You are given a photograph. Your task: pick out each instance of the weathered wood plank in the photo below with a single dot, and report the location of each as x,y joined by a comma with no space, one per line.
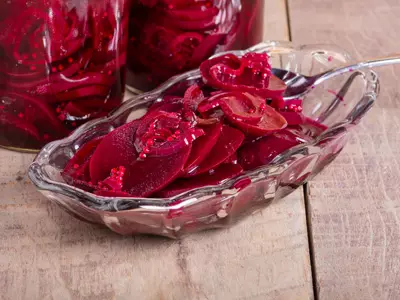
275,21
47,254
355,202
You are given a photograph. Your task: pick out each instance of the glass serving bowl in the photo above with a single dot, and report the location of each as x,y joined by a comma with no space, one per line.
338,103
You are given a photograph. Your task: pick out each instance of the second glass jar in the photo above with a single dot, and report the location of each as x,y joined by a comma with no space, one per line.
168,37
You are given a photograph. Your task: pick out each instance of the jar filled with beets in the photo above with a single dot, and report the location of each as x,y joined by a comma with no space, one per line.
62,63
168,37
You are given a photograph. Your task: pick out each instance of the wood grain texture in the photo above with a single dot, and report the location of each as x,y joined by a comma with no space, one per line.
355,203
275,20
47,254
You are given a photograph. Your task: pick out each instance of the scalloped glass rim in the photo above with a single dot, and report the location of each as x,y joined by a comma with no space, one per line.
43,182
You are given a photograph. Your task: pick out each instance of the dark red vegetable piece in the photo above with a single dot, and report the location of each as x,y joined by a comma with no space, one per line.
202,146
14,130
74,166
293,118
246,112
264,150
250,73
192,97
163,133
116,149
145,177
228,142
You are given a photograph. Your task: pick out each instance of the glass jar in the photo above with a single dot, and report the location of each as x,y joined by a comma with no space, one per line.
168,37
62,63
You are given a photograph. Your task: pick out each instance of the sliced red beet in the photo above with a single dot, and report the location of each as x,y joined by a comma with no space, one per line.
251,73
219,175
33,110
116,149
271,122
183,47
195,16
242,107
247,112
192,10
77,163
233,159
192,97
263,151
202,146
293,118
207,47
76,172
145,177
15,131
228,142
163,133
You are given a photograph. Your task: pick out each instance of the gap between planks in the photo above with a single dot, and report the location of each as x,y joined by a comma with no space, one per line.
305,187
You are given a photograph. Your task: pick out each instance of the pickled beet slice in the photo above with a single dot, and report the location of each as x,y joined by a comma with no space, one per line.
271,122
116,149
293,118
264,150
194,11
217,176
145,177
39,112
228,142
250,73
76,172
76,166
242,107
202,146
192,97
183,47
82,92
247,112
207,47
15,131
163,133
192,16
233,159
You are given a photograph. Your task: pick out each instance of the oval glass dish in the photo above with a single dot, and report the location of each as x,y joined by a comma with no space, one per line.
338,103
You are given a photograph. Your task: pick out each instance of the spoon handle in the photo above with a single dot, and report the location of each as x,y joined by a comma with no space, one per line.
381,61
375,62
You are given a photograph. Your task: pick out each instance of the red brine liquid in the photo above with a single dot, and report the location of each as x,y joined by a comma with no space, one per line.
168,37
62,63
232,120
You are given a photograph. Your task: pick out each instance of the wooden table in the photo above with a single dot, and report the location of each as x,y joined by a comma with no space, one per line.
348,217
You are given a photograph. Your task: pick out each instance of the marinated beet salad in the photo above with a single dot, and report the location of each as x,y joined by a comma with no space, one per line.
231,121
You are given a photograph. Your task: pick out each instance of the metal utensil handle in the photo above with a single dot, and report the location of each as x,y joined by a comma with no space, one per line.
375,62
